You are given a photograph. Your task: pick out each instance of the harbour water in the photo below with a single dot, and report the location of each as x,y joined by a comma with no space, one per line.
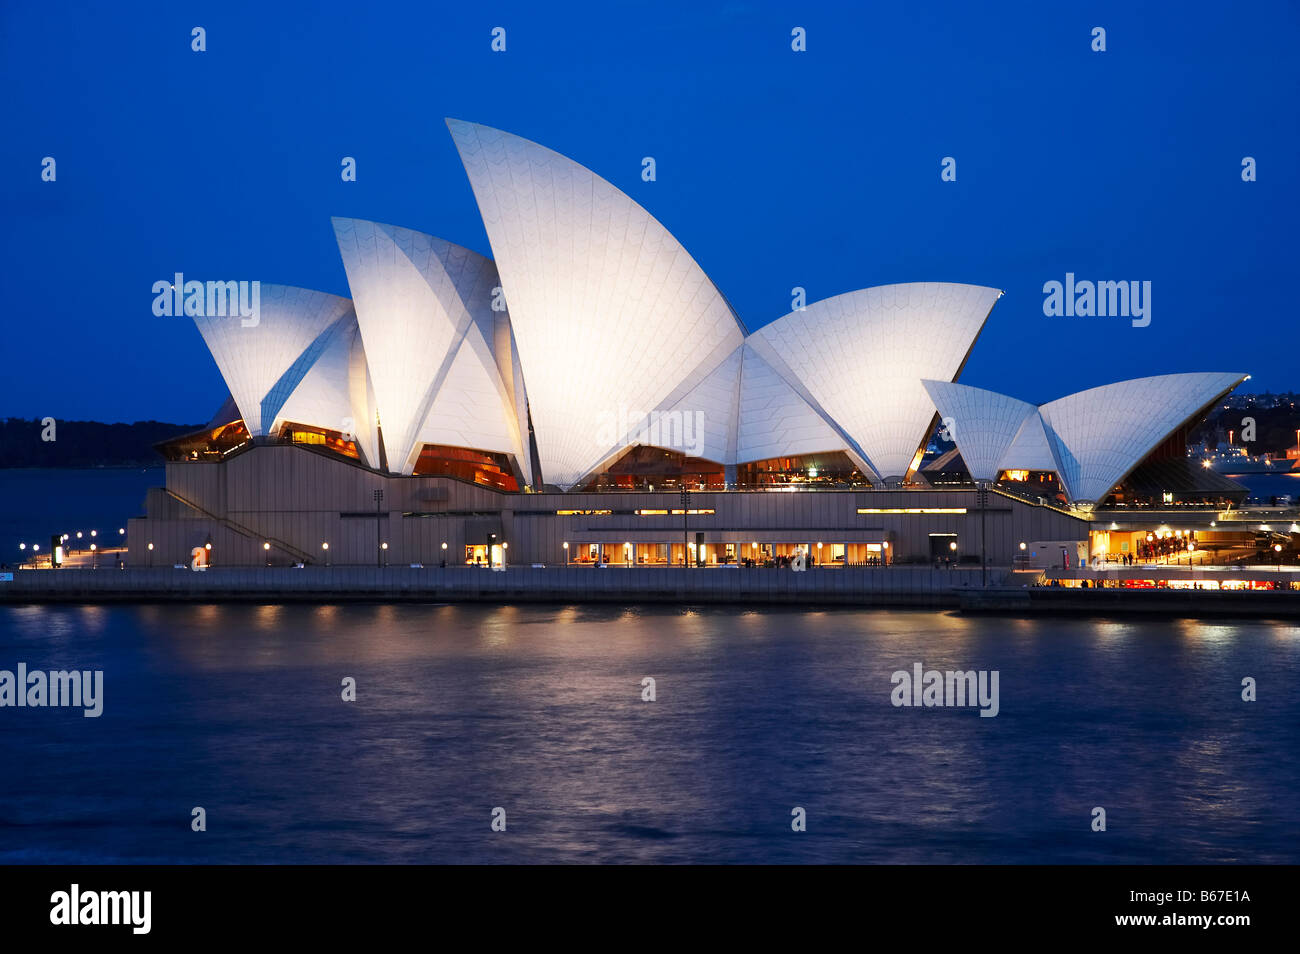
539,710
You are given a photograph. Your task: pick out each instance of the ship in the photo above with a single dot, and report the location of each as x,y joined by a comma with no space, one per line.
1233,461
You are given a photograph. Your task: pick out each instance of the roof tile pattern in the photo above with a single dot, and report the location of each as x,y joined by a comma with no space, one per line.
610,312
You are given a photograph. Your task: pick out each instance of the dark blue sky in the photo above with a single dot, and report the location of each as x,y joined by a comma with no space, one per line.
775,169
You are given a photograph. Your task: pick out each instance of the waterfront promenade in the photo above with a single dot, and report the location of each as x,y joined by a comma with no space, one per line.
1024,592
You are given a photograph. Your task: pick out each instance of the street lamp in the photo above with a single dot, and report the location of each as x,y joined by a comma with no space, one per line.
384,552
93,564
326,548
566,552
267,547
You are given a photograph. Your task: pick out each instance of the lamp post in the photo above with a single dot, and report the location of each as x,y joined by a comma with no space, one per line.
383,552
984,507
266,548
379,499
444,554
326,548
566,553
686,549
94,565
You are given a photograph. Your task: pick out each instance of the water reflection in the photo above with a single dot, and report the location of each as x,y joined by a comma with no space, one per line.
539,709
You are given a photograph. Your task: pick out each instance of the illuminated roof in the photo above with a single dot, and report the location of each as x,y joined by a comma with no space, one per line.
1101,434
861,357
613,324
335,393
262,363
1030,450
424,307
774,420
612,316
983,424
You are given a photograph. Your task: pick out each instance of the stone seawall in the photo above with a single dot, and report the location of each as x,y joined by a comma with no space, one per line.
859,586
1166,603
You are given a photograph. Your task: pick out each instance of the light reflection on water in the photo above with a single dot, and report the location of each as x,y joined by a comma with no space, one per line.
538,709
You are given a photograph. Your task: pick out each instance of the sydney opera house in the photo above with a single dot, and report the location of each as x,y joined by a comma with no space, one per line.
588,396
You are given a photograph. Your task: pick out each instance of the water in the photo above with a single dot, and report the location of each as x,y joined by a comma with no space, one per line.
538,710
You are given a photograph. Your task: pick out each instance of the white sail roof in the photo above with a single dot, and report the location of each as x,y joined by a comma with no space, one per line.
471,408
261,362
417,299
862,355
1031,449
612,316
1101,434
774,420
983,424
335,392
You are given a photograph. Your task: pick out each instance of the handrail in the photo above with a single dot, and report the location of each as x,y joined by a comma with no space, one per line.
241,529
1036,501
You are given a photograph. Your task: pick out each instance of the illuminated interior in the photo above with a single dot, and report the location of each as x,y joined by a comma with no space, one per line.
207,444
831,469
485,468
319,437
656,468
